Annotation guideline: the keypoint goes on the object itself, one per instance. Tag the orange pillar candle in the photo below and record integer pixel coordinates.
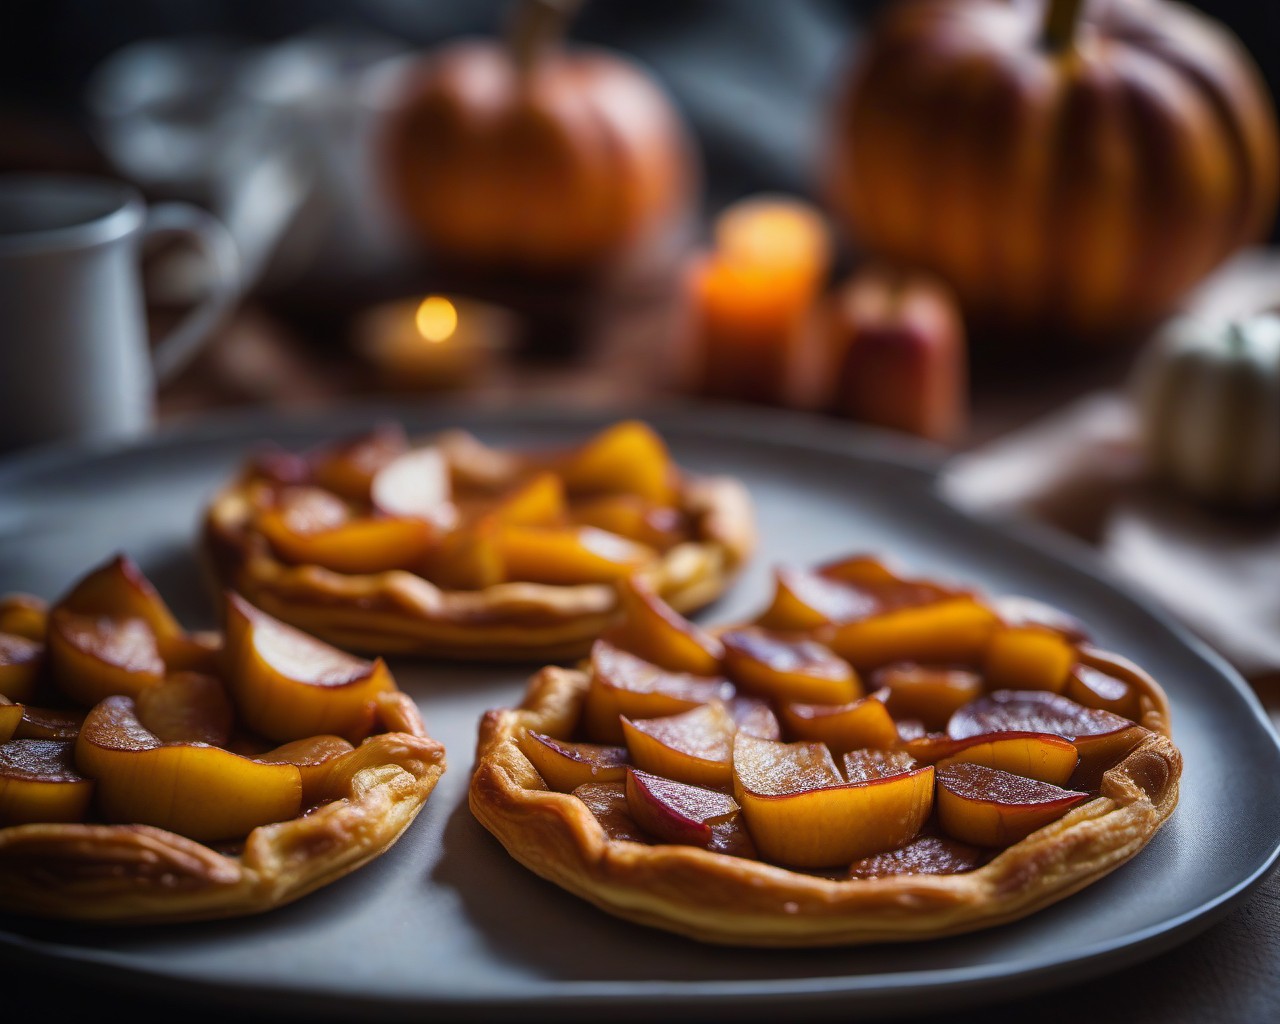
(752, 296)
(436, 343)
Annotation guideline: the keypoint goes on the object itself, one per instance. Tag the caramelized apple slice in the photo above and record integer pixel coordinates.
(10, 718)
(538, 502)
(25, 616)
(20, 661)
(754, 716)
(569, 556)
(468, 558)
(565, 766)
(311, 527)
(658, 526)
(694, 746)
(675, 812)
(928, 693)
(801, 813)
(1101, 737)
(622, 684)
(118, 590)
(626, 458)
(1097, 689)
(187, 707)
(415, 485)
(48, 724)
(92, 657)
(1028, 658)
(39, 782)
(288, 685)
(1020, 612)
(955, 630)
(653, 630)
(926, 855)
(198, 791)
(194, 652)
(843, 727)
(803, 601)
(1039, 756)
(314, 758)
(870, 765)
(347, 467)
(788, 670)
(607, 802)
(988, 807)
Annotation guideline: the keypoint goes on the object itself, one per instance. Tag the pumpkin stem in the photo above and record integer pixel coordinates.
(536, 27)
(1060, 20)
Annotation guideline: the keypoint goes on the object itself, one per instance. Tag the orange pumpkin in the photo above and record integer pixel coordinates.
(531, 157)
(1073, 163)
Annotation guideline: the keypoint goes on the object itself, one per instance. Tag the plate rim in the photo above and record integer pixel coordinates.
(722, 421)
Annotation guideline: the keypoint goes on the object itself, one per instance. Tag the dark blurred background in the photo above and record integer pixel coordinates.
(749, 74)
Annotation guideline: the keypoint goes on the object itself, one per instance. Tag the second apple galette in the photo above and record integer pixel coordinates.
(875, 759)
(150, 774)
(460, 550)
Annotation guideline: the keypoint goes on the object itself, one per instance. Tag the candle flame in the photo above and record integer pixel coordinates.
(436, 319)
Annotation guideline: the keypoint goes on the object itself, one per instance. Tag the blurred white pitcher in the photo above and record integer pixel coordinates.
(74, 358)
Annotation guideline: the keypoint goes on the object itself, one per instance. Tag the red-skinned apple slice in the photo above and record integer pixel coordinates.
(1040, 756)
(1101, 737)
(804, 601)
(988, 807)
(565, 766)
(623, 684)
(675, 812)
(788, 669)
(694, 746)
(871, 765)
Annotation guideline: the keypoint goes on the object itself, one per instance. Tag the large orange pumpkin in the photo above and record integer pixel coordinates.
(1073, 163)
(528, 156)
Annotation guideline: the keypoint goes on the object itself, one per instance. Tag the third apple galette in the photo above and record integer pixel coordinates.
(875, 758)
(151, 774)
(456, 549)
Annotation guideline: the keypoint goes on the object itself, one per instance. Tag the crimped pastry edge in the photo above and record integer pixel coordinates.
(397, 612)
(722, 899)
(137, 874)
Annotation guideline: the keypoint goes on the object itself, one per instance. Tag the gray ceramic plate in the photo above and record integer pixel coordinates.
(446, 922)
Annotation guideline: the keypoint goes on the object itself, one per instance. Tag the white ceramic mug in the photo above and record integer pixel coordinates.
(74, 358)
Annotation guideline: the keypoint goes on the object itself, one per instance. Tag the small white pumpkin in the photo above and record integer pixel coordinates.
(1210, 400)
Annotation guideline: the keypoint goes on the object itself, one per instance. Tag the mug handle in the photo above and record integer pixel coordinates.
(181, 220)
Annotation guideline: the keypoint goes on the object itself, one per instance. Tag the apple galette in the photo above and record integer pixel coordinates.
(150, 774)
(874, 759)
(460, 550)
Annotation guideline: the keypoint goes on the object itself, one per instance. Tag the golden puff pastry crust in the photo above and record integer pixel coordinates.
(719, 898)
(138, 874)
(399, 611)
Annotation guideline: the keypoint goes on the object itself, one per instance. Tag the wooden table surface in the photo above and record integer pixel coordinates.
(1231, 972)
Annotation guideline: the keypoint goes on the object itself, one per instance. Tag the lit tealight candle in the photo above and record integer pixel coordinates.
(433, 344)
(753, 295)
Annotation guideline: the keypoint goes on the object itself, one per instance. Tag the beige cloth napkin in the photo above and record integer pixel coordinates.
(1081, 470)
